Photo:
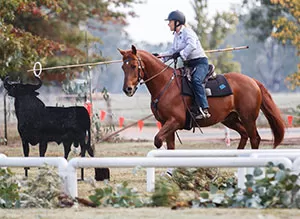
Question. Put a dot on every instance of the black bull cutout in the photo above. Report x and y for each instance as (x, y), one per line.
(40, 124)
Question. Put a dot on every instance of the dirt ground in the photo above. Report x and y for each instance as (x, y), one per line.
(129, 148)
(147, 213)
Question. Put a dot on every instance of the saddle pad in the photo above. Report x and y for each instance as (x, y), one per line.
(217, 87)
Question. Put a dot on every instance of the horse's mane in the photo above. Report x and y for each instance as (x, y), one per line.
(150, 56)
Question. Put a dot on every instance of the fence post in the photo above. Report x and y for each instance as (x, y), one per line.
(227, 137)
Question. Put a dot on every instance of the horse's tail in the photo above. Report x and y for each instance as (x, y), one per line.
(273, 114)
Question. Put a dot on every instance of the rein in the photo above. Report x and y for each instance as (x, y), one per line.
(154, 76)
(189, 110)
(141, 67)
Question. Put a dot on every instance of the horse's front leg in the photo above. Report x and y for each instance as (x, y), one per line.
(171, 141)
(166, 133)
(171, 146)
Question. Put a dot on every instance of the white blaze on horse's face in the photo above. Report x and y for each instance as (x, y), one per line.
(131, 76)
(132, 71)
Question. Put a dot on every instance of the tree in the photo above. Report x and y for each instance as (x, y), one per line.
(259, 17)
(48, 31)
(288, 30)
(212, 34)
(278, 19)
(267, 61)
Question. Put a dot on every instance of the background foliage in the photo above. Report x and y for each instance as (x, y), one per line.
(212, 33)
(48, 31)
(59, 32)
(275, 22)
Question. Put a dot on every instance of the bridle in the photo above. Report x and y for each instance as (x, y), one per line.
(154, 102)
(154, 76)
(141, 67)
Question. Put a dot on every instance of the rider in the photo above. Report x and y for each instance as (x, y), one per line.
(187, 46)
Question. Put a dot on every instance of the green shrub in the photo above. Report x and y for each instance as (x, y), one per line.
(41, 191)
(278, 188)
(166, 192)
(121, 196)
(9, 189)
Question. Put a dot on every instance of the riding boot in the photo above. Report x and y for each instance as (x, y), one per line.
(207, 114)
(203, 114)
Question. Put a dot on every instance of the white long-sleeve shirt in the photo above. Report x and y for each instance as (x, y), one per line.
(187, 43)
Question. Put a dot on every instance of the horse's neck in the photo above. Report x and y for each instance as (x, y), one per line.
(153, 67)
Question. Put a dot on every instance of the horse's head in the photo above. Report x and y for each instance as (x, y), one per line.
(133, 70)
(16, 89)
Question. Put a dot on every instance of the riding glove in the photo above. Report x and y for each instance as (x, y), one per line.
(176, 55)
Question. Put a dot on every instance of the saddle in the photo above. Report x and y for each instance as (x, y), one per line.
(187, 72)
(216, 85)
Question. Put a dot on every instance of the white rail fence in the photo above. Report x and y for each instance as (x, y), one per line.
(216, 154)
(162, 158)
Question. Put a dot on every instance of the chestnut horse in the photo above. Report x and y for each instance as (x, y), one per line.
(238, 111)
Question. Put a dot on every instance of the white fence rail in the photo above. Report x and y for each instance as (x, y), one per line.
(161, 158)
(289, 153)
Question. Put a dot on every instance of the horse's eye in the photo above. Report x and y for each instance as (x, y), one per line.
(133, 66)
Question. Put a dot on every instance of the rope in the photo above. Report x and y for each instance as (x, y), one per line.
(71, 66)
(154, 76)
(116, 61)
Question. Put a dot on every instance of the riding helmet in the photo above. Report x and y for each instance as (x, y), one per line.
(176, 16)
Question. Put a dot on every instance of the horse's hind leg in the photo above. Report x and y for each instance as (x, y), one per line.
(253, 134)
(233, 122)
(251, 128)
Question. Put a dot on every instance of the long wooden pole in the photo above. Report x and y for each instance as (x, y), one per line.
(227, 49)
(117, 61)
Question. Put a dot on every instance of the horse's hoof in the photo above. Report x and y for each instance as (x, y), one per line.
(157, 143)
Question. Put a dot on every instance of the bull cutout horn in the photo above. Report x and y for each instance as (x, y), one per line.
(6, 83)
(37, 86)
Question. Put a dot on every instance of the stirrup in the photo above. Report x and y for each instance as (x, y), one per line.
(204, 114)
(207, 114)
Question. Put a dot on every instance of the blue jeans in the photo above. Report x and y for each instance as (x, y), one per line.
(197, 81)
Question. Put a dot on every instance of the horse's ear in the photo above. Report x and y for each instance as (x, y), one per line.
(133, 49)
(122, 51)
